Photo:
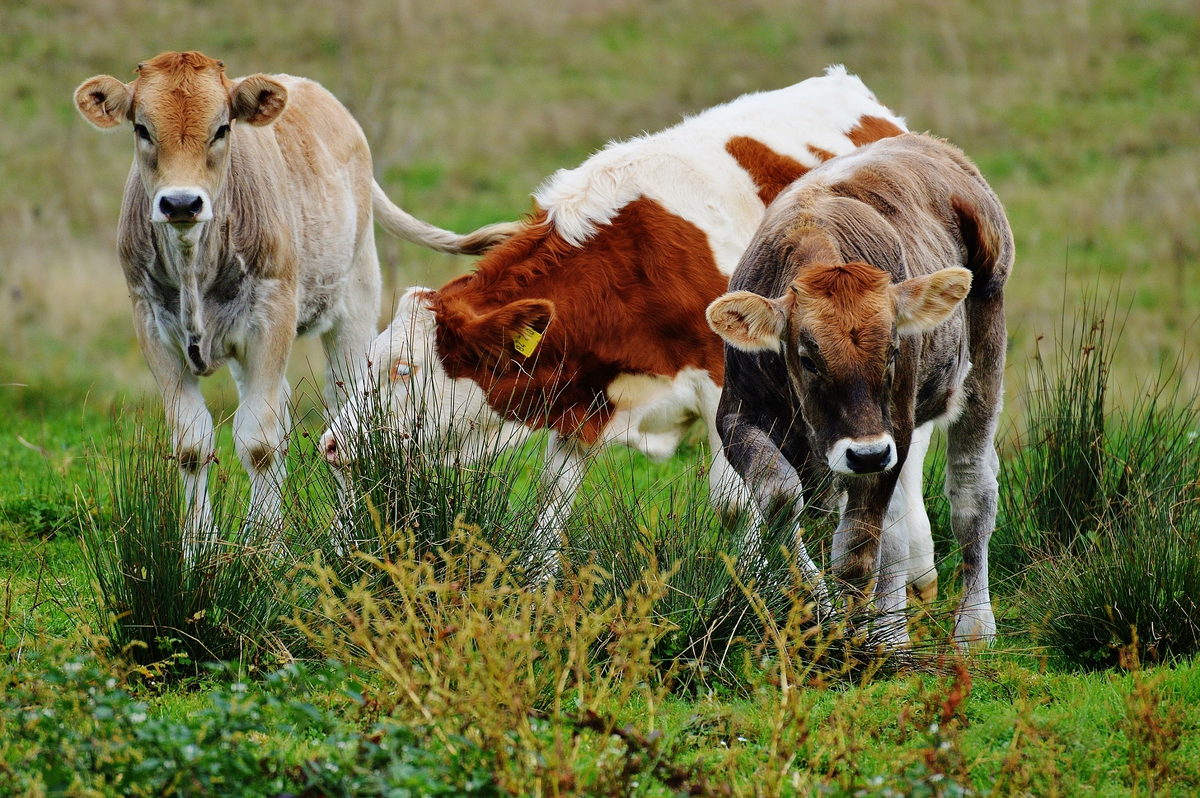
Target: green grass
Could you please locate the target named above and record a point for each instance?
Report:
(1031, 724)
(1082, 116)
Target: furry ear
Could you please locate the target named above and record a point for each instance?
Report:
(515, 329)
(923, 303)
(747, 321)
(258, 100)
(105, 102)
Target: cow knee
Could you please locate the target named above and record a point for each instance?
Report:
(261, 456)
(191, 459)
(924, 590)
(858, 566)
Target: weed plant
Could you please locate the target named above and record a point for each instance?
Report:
(559, 681)
(76, 724)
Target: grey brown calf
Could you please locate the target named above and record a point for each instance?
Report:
(246, 221)
(869, 308)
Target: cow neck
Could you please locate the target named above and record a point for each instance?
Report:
(629, 300)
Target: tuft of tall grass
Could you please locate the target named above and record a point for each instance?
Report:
(1059, 482)
(227, 604)
(1102, 508)
(410, 481)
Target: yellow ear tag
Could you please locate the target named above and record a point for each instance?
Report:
(526, 341)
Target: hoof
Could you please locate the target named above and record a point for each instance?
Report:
(976, 628)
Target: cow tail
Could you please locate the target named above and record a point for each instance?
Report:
(404, 225)
(988, 242)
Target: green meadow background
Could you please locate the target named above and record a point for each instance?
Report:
(1085, 117)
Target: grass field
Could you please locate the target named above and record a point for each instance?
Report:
(1083, 116)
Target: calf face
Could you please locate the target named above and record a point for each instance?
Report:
(839, 329)
(182, 108)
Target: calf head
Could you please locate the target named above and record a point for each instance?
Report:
(419, 400)
(182, 108)
(839, 330)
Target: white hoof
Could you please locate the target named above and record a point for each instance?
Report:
(974, 627)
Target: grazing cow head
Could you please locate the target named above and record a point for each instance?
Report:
(409, 390)
(839, 331)
(182, 108)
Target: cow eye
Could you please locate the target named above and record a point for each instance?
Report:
(808, 364)
(402, 371)
(221, 133)
(142, 133)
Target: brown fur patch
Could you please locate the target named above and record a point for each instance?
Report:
(190, 460)
(872, 128)
(847, 310)
(631, 300)
(180, 94)
(823, 154)
(769, 170)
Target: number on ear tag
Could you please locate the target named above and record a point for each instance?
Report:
(526, 341)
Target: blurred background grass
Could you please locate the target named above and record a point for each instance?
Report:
(1084, 115)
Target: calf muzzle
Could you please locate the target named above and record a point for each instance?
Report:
(330, 450)
(868, 460)
(181, 206)
(856, 456)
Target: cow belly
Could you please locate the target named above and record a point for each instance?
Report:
(653, 412)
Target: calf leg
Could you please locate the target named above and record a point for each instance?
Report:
(727, 491)
(903, 554)
(777, 494)
(972, 486)
(922, 570)
(191, 429)
(192, 434)
(856, 541)
(973, 467)
(261, 421)
(259, 431)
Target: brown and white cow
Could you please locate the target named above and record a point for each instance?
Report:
(590, 321)
(246, 222)
(869, 308)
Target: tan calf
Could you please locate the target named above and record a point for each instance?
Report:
(246, 221)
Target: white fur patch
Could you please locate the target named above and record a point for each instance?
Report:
(687, 170)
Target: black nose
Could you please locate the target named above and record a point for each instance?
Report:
(869, 461)
(181, 207)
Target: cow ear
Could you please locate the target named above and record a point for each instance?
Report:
(516, 327)
(105, 101)
(258, 100)
(924, 302)
(748, 322)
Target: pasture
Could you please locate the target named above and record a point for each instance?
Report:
(434, 668)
